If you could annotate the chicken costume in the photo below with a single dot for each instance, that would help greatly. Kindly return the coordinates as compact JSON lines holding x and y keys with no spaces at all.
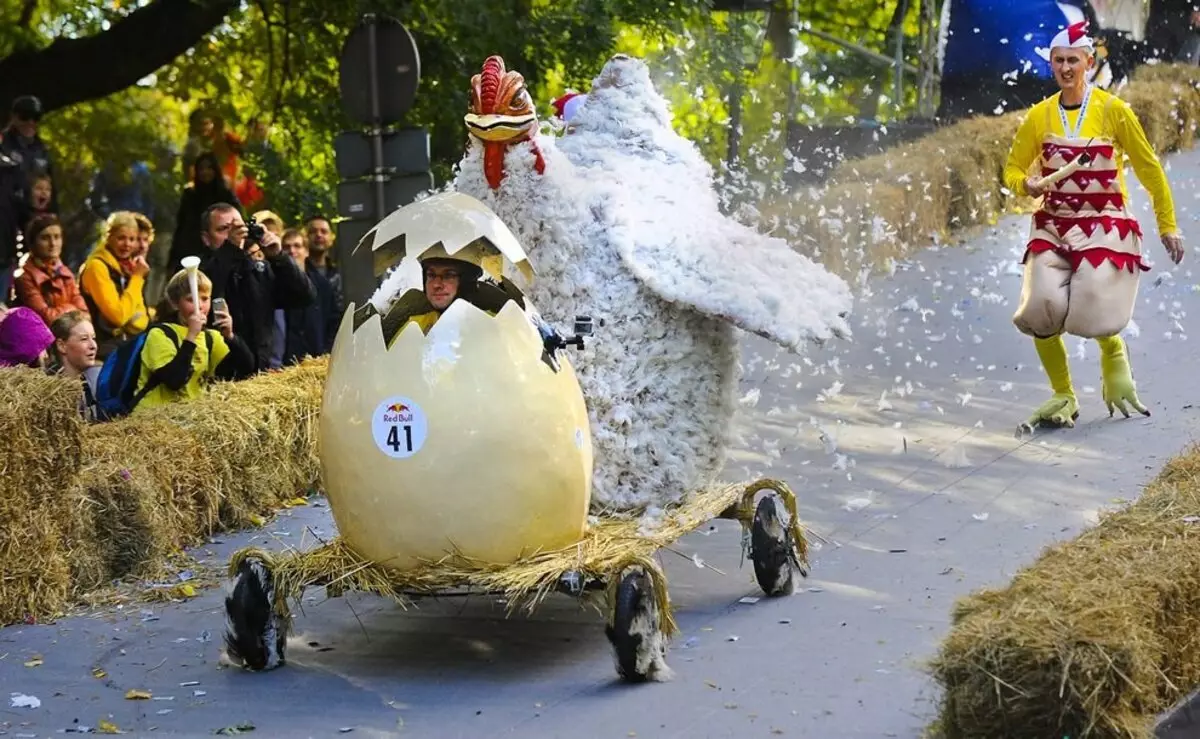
{"x":624,"y":225}
{"x":1084,"y":259}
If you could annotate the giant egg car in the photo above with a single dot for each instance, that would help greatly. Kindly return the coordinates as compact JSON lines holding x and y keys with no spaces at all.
{"x":470,"y":440}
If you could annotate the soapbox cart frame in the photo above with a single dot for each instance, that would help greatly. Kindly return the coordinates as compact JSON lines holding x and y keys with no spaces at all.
{"x":614,"y":555}
{"x":612,"y":560}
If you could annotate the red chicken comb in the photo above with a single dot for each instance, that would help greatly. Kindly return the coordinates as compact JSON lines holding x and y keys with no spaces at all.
{"x":489,"y":83}
{"x":1076,"y":31}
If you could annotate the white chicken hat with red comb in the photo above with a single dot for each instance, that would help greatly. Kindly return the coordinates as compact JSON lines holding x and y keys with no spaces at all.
{"x":1074,"y":36}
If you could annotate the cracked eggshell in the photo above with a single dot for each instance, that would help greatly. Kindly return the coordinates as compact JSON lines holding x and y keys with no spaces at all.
{"x":464,"y":440}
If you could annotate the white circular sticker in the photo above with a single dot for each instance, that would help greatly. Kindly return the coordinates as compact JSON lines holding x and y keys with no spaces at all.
{"x":399,"y":427}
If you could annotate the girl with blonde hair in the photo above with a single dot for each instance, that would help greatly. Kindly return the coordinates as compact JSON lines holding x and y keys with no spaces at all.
{"x":113,"y":280}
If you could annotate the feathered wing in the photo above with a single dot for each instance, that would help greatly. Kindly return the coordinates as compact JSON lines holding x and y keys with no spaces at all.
{"x":665,"y":220}
{"x":684,"y":250}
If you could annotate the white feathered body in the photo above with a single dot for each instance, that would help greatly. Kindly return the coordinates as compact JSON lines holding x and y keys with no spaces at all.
{"x":659,"y":379}
{"x":624,"y":226}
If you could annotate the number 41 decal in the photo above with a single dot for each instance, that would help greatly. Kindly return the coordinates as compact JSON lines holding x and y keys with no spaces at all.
{"x":399,"y":427}
{"x":393,"y":439}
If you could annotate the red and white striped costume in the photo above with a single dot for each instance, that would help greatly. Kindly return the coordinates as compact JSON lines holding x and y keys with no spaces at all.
{"x":1084,"y":255}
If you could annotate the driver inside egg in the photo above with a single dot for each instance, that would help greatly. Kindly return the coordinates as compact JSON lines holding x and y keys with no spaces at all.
{"x":445,"y":280}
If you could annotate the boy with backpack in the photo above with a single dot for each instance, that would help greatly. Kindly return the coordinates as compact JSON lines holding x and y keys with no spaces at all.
{"x":168,"y":363}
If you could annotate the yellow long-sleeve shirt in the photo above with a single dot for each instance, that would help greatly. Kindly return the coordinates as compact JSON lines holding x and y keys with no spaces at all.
{"x":1107,"y":116}
{"x":119,"y":311}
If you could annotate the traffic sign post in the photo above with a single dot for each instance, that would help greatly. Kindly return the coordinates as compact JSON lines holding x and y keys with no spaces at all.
{"x":381,"y":168}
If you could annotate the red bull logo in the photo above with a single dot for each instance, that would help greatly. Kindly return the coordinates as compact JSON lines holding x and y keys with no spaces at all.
{"x":398,"y":413}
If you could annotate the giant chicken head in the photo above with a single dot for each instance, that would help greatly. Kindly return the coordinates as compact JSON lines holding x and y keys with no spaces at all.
{"x":501,"y":115}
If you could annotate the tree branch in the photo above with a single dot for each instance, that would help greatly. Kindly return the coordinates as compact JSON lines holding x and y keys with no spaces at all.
{"x":27,"y":13}
{"x":72,"y":70}
{"x":270,"y":35}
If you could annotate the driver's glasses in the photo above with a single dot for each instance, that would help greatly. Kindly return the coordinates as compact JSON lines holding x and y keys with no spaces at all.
{"x":449,"y":275}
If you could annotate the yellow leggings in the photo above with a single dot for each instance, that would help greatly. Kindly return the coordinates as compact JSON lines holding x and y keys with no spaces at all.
{"x":1119,"y":387}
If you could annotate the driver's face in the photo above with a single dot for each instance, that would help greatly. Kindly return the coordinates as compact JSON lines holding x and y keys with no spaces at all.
{"x":441,"y":285}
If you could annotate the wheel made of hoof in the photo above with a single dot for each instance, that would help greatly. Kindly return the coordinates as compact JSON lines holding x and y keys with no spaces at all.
{"x":771,"y":550}
{"x":635,"y":628}
{"x":255,"y":633}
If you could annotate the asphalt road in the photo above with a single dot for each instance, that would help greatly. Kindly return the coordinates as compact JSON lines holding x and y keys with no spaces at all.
{"x":901,"y":448}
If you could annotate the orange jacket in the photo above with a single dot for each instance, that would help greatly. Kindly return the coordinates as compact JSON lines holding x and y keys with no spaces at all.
{"x":50,"y":292}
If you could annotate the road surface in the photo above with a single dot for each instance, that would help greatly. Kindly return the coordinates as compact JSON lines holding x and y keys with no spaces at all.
{"x":901,"y":448}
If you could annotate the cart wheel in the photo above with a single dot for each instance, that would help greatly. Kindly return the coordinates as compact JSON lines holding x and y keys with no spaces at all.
{"x":771,"y":551}
{"x":635,"y":629}
{"x":255,"y":633}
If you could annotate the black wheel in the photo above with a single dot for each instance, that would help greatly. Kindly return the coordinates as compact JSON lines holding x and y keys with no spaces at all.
{"x":635,"y":629}
{"x":255,"y":633}
{"x":771,"y":550}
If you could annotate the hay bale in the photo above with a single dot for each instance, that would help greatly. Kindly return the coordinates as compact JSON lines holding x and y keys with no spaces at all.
{"x":977,"y":157}
{"x":1175,"y":73}
{"x":41,"y":426}
{"x":83,"y":505}
{"x":1153,"y":102}
{"x":1096,"y":638}
{"x":870,"y":220}
{"x":164,"y":479}
{"x":142,"y":497}
{"x":920,"y":171}
{"x":259,"y":437}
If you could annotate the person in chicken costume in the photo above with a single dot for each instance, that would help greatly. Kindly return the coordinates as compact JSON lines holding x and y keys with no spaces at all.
{"x":1083,"y":260}
{"x":623,"y":221}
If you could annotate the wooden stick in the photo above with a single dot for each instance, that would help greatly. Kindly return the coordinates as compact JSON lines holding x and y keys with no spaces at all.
{"x":1071,"y":168}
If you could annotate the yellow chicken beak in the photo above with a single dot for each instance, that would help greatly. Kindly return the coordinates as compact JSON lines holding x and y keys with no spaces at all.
{"x":493,"y":127}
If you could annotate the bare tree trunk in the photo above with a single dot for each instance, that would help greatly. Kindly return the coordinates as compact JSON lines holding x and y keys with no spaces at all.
{"x":72,"y":70}
{"x":927,"y":62}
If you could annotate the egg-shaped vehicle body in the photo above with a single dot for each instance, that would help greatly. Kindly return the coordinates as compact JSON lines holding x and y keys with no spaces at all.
{"x":469,"y":439}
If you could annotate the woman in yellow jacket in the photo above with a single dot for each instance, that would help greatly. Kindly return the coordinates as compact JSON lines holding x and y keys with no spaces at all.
{"x":177,"y":363}
{"x":112,"y":281}
{"x":1084,"y":257}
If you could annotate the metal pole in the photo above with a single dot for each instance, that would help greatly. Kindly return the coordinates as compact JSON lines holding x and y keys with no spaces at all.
{"x":376,"y":129}
{"x":793,"y":26}
{"x":921,"y":30}
{"x":898,"y":101}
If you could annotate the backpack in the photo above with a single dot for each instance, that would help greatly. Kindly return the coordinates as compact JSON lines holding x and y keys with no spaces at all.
{"x":116,"y":386}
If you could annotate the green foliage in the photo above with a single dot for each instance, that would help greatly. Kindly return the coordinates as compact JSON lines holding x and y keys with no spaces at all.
{"x":137,"y":124}
{"x":277,"y":61}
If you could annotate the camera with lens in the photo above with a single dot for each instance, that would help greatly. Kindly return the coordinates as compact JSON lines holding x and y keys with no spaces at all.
{"x":254,"y":231}
{"x":553,"y":341}
{"x":584,"y":327}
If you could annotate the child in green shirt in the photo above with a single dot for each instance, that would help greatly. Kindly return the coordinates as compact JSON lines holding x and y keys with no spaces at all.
{"x":181,"y":364}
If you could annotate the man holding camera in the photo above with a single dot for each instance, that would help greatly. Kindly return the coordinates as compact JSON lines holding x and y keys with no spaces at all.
{"x":253,"y":289}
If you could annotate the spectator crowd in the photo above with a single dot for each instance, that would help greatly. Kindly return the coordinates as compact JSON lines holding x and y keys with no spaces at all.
{"x":267,"y":293}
